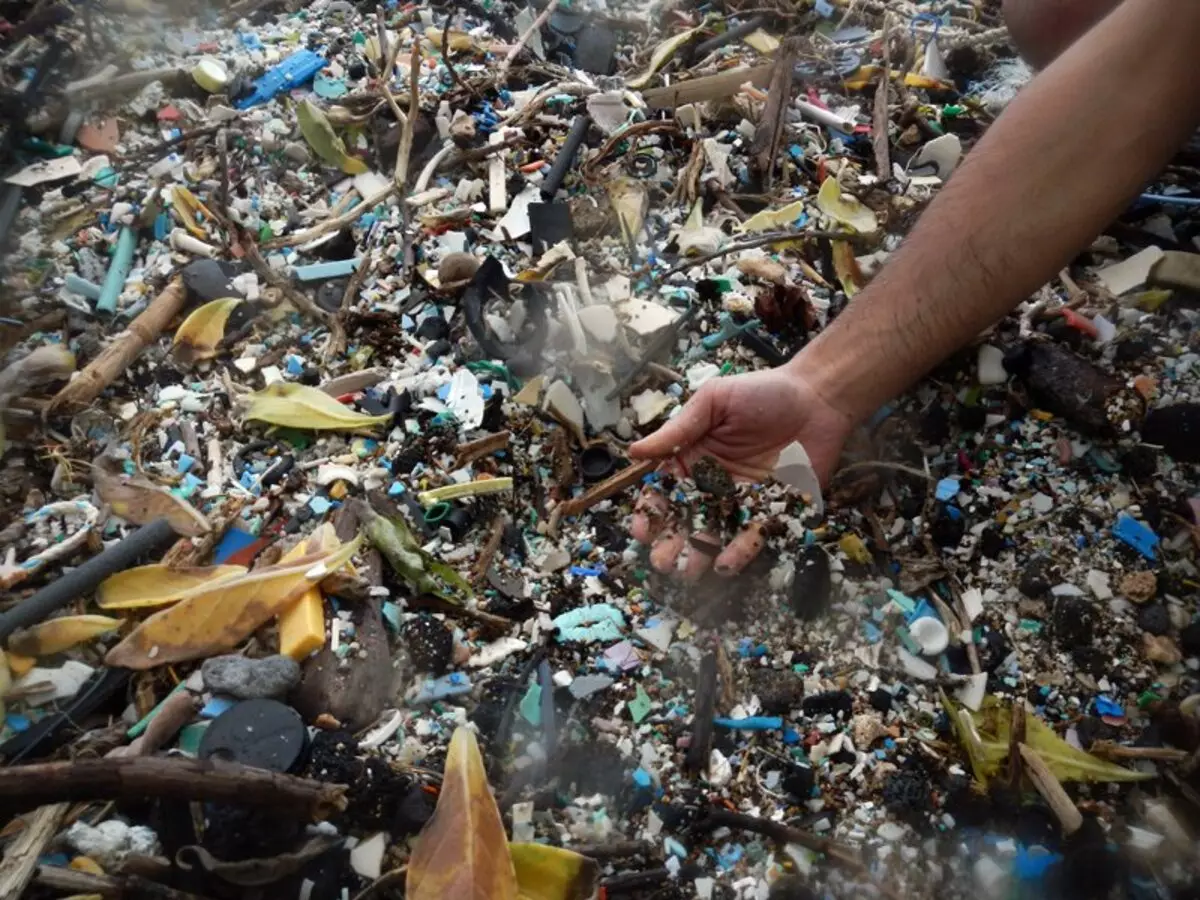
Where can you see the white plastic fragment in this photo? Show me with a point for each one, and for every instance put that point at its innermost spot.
(1130, 274)
(366, 859)
(495, 651)
(915, 666)
(649, 405)
(795, 469)
(561, 400)
(465, 400)
(972, 601)
(930, 634)
(990, 877)
(644, 317)
(515, 222)
(1097, 582)
(972, 691)
(943, 153)
(659, 632)
(46, 170)
(990, 366)
(110, 842)
(41, 685)
(600, 322)
(389, 723)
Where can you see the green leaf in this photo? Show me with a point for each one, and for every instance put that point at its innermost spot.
(319, 133)
(300, 406)
(985, 737)
(1071, 764)
(420, 570)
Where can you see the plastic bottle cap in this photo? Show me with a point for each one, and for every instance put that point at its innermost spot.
(930, 634)
(211, 74)
(597, 463)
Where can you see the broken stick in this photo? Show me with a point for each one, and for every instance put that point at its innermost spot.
(124, 349)
(24, 787)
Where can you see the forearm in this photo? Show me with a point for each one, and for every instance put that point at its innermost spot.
(1061, 162)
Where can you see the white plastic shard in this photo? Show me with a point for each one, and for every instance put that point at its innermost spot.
(796, 471)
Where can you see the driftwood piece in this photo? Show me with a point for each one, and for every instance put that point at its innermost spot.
(20, 860)
(126, 887)
(708, 87)
(769, 133)
(24, 787)
(124, 349)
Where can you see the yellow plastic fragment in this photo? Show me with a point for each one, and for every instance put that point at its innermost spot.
(302, 625)
(19, 665)
(854, 548)
(86, 864)
(475, 488)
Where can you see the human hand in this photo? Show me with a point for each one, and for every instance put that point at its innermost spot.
(742, 422)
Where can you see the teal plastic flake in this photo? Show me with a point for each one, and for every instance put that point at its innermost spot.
(639, 706)
(601, 622)
(531, 704)
(902, 600)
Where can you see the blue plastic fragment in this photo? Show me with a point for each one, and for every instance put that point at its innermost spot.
(871, 632)
(922, 611)
(1032, 863)
(438, 689)
(791, 736)
(675, 848)
(396, 489)
(17, 722)
(323, 271)
(751, 723)
(729, 855)
(216, 706)
(392, 614)
(82, 287)
(233, 541)
(294, 71)
(320, 505)
(295, 364)
(184, 463)
(642, 778)
(1105, 706)
(947, 489)
(1140, 537)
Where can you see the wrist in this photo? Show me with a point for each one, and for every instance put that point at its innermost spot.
(837, 376)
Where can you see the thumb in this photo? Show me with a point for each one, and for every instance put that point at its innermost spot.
(682, 431)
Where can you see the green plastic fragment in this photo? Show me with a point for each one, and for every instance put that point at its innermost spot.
(1031, 625)
(140, 728)
(639, 706)
(190, 737)
(1146, 698)
(531, 704)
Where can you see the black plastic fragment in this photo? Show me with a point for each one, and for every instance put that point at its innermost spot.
(812, 585)
(1066, 384)
(52, 732)
(596, 49)
(1176, 429)
(566, 156)
(490, 283)
(549, 223)
(265, 734)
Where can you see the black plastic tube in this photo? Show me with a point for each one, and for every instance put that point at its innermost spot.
(83, 579)
(727, 37)
(566, 156)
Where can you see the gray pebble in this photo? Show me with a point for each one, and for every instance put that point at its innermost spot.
(250, 679)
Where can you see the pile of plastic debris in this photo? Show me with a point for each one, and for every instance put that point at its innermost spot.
(326, 333)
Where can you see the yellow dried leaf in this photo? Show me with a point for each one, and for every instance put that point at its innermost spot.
(141, 501)
(550, 873)
(630, 200)
(216, 618)
(463, 851)
(458, 40)
(662, 55)
(774, 219)
(86, 864)
(300, 406)
(19, 665)
(319, 133)
(186, 205)
(843, 208)
(158, 585)
(197, 338)
(57, 635)
(846, 267)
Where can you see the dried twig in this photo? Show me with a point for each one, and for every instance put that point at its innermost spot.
(124, 349)
(127, 887)
(879, 120)
(533, 29)
(272, 278)
(1069, 816)
(173, 778)
(769, 134)
(335, 224)
(410, 122)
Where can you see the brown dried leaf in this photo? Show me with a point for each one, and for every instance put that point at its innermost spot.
(215, 618)
(141, 501)
(463, 851)
(200, 335)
